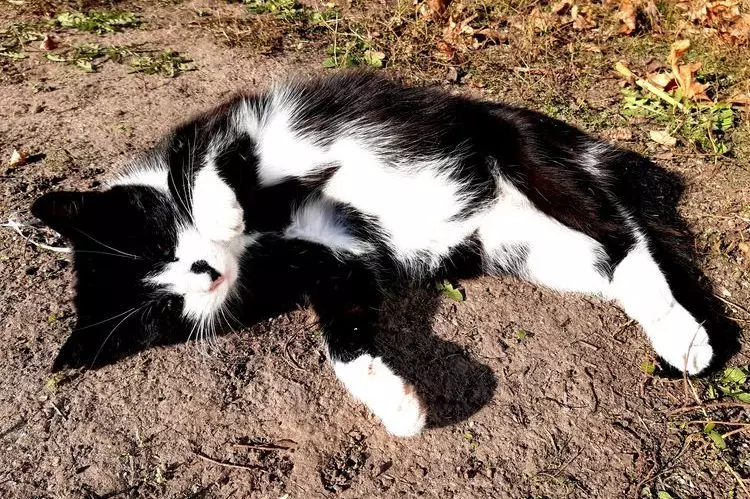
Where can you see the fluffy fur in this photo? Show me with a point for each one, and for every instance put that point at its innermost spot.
(335, 186)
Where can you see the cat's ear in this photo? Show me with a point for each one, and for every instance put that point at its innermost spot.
(64, 210)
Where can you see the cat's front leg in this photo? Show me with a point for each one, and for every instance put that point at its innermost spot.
(347, 306)
(216, 211)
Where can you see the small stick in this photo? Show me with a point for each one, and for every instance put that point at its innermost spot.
(16, 226)
(710, 406)
(710, 421)
(646, 85)
(735, 431)
(737, 477)
(229, 465)
(280, 445)
(732, 304)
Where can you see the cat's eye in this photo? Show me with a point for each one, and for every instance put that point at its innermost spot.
(169, 256)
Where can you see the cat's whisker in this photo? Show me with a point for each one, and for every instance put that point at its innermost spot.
(103, 253)
(103, 321)
(96, 356)
(123, 253)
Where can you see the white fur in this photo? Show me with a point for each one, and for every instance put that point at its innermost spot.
(283, 153)
(414, 202)
(642, 290)
(389, 397)
(558, 257)
(150, 171)
(200, 301)
(217, 214)
(591, 158)
(316, 221)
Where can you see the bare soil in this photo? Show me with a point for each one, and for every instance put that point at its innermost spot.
(532, 394)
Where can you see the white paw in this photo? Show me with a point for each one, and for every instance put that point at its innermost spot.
(217, 213)
(389, 397)
(682, 342)
(221, 223)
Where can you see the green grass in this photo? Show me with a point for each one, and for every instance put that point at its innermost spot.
(168, 64)
(91, 56)
(98, 22)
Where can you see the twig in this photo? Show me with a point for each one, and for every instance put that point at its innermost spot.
(709, 406)
(735, 431)
(732, 304)
(711, 421)
(247, 467)
(736, 477)
(280, 445)
(16, 226)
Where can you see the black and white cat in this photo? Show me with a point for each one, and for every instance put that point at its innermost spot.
(334, 186)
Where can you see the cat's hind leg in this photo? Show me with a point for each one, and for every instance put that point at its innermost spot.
(520, 239)
(642, 290)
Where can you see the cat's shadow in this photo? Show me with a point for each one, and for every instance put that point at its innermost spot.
(453, 386)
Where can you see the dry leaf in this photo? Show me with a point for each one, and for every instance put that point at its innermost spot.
(617, 134)
(621, 68)
(582, 18)
(541, 21)
(627, 15)
(677, 51)
(744, 247)
(662, 80)
(561, 8)
(591, 47)
(685, 74)
(49, 43)
(740, 30)
(662, 137)
(18, 158)
(434, 8)
(722, 16)
(446, 50)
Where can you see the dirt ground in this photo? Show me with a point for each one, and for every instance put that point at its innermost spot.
(532, 394)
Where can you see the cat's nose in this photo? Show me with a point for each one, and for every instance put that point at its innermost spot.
(202, 267)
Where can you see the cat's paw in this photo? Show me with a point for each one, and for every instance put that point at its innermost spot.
(217, 213)
(221, 223)
(682, 342)
(394, 401)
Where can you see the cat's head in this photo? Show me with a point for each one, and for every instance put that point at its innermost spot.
(145, 274)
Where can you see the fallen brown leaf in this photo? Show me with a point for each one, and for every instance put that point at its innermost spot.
(18, 158)
(582, 18)
(662, 80)
(627, 15)
(435, 8)
(662, 137)
(561, 8)
(446, 50)
(618, 134)
(677, 51)
(49, 43)
(740, 29)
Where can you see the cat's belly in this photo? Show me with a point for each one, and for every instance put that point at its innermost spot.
(419, 208)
